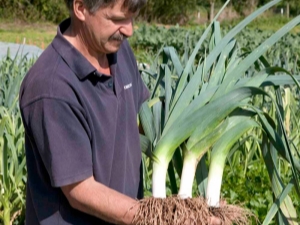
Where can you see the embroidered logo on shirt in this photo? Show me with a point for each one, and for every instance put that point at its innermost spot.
(127, 86)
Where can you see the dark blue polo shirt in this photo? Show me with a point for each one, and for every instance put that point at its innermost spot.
(79, 123)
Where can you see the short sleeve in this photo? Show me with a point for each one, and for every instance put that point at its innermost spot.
(61, 136)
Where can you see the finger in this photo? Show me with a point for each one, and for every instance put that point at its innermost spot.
(223, 203)
(215, 221)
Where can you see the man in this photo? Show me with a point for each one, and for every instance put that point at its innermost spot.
(79, 104)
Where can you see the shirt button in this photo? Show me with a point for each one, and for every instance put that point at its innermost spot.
(110, 84)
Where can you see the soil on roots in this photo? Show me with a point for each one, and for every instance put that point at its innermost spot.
(191, 211)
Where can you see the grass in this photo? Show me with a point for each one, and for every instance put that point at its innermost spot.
(38, 34)
(41, 33)
(266, 23)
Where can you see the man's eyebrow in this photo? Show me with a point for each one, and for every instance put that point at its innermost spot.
(118, 17)
(122, 16)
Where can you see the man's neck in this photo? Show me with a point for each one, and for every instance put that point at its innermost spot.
(99, 61)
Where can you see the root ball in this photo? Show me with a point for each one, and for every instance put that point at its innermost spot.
(191, 211)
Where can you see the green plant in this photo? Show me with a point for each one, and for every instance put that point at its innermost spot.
(12, 158)
(191, 96)
(51, 10)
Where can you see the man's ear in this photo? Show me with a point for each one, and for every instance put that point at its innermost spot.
(79, 9)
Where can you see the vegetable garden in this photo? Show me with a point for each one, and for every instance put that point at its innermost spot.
(222, 121)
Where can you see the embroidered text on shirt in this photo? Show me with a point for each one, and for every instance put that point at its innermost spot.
(127, 86)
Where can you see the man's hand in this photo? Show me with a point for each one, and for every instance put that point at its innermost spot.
(213, 221)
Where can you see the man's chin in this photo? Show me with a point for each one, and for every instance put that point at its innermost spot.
(115, 47)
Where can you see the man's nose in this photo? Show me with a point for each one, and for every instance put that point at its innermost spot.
(127, 28)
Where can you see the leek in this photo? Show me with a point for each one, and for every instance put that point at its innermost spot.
(192, 157)
(185, 125)
(219, 155)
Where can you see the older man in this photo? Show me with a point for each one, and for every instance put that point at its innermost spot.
(79, 104)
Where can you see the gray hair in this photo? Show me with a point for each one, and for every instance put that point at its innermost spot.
(93, 5)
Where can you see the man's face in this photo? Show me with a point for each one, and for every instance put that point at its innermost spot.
(105, 29)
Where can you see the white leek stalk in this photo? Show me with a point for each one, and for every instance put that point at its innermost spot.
(193, 156)
(239, 126)
(214, 183)
(187, 176)
(159, 180)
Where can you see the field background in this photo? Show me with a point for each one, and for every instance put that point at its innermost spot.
(246, 180)
(35, 22)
